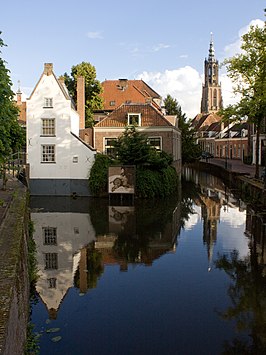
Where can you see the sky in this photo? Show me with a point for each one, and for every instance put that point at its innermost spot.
(165, 44)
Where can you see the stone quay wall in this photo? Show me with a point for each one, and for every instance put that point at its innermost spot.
(14, 281)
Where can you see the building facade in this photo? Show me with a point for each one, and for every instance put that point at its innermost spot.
(161, 133)
(58, 161)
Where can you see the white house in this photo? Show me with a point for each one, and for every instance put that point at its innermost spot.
(59, 161)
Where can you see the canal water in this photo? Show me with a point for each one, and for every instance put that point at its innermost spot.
(180, 276)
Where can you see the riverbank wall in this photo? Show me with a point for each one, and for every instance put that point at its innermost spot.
(250, 189)
(14, 280)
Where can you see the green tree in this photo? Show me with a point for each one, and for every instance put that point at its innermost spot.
(12, 136)
(248, 73)
(171, 106)
(190, 149)
(93, 88)
(132, 147)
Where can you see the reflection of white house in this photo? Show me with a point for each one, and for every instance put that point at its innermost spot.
(59, 238)
(59, 161)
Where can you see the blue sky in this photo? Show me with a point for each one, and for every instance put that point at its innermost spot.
(165, 44)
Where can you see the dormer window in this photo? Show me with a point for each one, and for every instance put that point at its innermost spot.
(134, 119)
(112, 103)
(48, 102)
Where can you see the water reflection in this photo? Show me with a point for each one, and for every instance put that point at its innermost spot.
(75, 239)
(147, 264)
(247, 273)
(60, 238)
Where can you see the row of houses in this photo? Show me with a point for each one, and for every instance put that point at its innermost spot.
(61, 151)
(225, 141)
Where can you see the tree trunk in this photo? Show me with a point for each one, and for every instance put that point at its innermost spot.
(4, 177)
(257, 170)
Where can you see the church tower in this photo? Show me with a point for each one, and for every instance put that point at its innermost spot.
(211, 100)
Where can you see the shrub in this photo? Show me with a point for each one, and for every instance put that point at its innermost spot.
(156, 183)
(99, 175)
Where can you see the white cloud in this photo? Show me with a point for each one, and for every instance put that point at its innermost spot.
(194, 218)
(95, 35)
(160, 46)
(184, 84)
(233, 217)
(235, 47)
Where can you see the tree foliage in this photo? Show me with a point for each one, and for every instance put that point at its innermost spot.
(133, 148)
(98, 179)
(93, 88)
(248, 73)
(190, 149)
(155, 177)
(12, 136)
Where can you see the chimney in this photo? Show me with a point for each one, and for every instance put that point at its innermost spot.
(122, 84)
(61, 80)
(81, 101)
(48, 68)
(19, 100)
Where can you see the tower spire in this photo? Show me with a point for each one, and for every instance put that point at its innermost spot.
(211, 50)
(211, 100)
(19, 90)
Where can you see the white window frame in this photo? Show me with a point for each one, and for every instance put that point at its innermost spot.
(52, 282)
(157, 147)
(75, 159)
(48, 127)
(49, 235)
(48, 153)
(50, 261)
(130, 116)
(48, 102)
(108, 147)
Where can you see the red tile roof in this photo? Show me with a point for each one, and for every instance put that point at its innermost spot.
(117, 92)
(150, 116)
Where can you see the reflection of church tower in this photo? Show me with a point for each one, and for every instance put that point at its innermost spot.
(211, 215)
(211, 100)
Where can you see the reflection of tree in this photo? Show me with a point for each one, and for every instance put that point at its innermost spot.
(94, 268)
(154, 224)
(190, 191)
(248, 296)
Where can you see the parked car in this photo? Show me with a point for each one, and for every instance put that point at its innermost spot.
(206, 155)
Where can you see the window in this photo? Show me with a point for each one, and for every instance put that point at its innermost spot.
(112, 103)
(51, 282)
(48, 126)
(49, 236)
(48, 154)
(48, 102)
(134, 119)
(109, 145)
(75, 159)
(51, 261)
(155, 142)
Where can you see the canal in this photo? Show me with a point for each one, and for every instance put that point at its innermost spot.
(180, 276)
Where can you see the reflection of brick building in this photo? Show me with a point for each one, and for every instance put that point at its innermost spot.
(256, 230)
